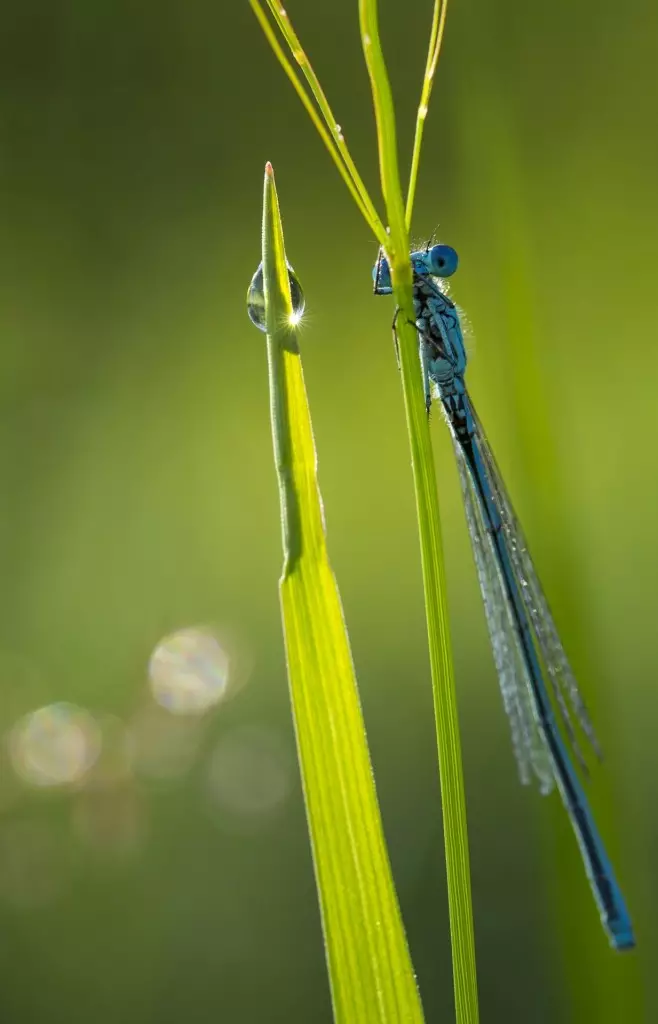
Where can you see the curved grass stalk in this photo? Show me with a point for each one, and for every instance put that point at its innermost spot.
(371, 974)
(291, 37)
(333, 137)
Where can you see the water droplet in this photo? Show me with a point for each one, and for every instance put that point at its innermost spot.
(256, 298)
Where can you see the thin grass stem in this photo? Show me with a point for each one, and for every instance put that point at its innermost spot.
(336, 146)
(285, 25)
(429, 524)
(433, 51)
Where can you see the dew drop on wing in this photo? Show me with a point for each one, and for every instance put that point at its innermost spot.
(256, 298)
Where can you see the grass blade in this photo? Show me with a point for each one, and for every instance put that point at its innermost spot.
(429, 525)
(370, 970)
(433, 51)
(333, 137)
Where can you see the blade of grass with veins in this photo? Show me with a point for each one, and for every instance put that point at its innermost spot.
(371, 974)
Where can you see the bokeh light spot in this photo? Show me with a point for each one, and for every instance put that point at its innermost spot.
(55, 745)
(189, 672)
(249, 773)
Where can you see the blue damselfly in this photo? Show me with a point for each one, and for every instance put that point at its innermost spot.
(535, 677)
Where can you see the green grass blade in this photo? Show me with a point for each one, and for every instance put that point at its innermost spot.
(285, 25)
(332, 135)
(433, 51)
(427, 507)
(370, 970)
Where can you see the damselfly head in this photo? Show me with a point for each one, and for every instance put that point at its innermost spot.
(439, 261)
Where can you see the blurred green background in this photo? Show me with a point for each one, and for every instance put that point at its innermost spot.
(172, 879)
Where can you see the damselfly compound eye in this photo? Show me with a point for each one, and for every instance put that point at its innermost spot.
(443, 260)
(256, 299)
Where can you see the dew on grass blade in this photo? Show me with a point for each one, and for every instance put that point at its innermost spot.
(55, 745)
(256, 299)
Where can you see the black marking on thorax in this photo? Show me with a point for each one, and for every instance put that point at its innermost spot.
(424, 291)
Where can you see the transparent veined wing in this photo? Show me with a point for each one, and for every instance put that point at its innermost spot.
(527, 742)
(494, 528)
(558, 669)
